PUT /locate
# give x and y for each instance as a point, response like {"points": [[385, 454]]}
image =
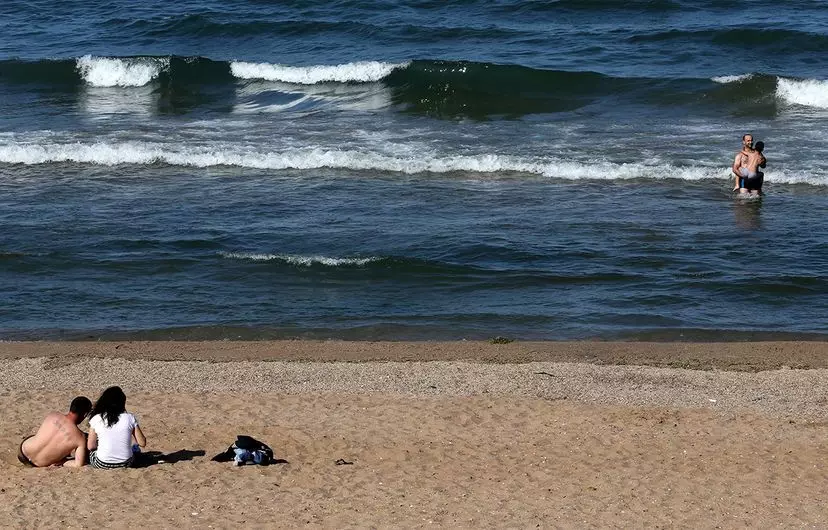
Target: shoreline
{"points": [[728, 356]]}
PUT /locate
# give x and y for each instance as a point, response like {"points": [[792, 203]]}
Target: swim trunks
{"points": [[754, 183], [745, 172], [21, 456]]}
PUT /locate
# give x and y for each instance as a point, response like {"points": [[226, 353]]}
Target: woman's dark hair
{"points": [[110, 405]]}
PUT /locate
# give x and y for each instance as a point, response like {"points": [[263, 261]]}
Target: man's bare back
{"points": [[755, 160], [57, 439]]}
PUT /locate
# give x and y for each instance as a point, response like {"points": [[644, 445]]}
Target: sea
{"points": [[411, 170]]}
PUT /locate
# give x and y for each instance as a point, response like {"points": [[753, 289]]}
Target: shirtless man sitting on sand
{"points": [[57, 438]]}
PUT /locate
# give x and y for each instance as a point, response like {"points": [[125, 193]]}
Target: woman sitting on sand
{"points": [[111, 431]]}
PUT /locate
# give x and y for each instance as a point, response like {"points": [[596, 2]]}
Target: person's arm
{"points": [[80, 456], [92, 441], [139, 436], [737, 163]]}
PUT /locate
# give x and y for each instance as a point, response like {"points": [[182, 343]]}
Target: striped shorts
{"points": [[97, 463]]}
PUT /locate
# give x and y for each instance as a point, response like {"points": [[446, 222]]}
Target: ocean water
{"points": [[375, 169]]}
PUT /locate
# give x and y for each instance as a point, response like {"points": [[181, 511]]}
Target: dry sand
{"points": [[469, 435]]}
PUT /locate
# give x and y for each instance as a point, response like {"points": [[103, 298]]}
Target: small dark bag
{"points": [[248, 443]]}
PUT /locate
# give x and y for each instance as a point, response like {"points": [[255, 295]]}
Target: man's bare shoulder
{"points": [[53, 418], [56, 422], [71, 429]]}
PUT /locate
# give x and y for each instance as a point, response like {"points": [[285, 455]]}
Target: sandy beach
{"points": [[465, 434]]}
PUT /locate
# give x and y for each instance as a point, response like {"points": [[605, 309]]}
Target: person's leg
{"points": [[740, 180]]}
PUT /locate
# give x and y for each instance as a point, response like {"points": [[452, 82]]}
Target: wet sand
{"points": [[741, 356]]}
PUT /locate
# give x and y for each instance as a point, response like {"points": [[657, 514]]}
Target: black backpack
{"points": [[248, 443]]}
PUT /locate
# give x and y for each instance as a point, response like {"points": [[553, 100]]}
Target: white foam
{"points": [[399, 160], [724, 79], [97, 153], [111, 72], [808, 92], [292, 259], [361, 72]]}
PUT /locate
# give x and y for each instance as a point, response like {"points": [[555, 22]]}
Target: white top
{"points": [[114, 442]]}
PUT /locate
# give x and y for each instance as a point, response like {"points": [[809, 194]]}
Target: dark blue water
{"points": [[368, 169]]}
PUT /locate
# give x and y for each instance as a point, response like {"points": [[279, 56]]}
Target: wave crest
{"points": [[808, 92], [126, 72], [754, 86], [359, 72], [725, 79], [299, 260]]}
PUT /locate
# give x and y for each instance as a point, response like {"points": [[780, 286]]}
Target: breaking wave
{"points": [[808, 93], [308, 158], [111, 72], [436, 88], [360, 72]]}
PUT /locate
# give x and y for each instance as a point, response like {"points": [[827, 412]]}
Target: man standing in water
{"points": [[741, 161], [746, 166], [57, 438]]}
